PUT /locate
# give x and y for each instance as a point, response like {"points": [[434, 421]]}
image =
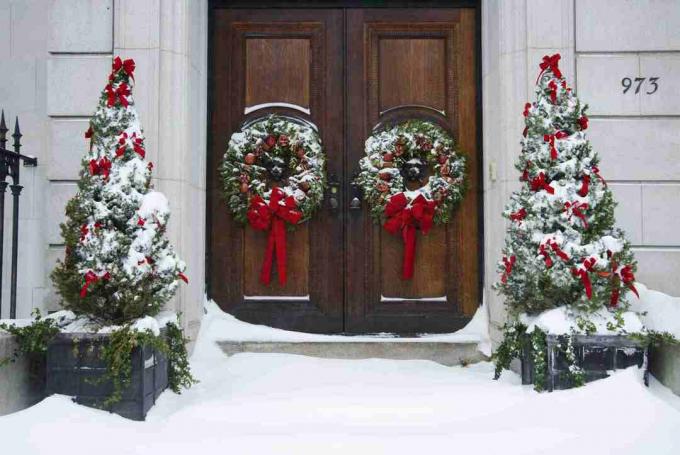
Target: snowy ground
{"points": [[285, 404]]}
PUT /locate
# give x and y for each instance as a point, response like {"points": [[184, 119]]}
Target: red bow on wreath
{"points": [[121, 92], [101, 167], [274, 216], [406, 218]]}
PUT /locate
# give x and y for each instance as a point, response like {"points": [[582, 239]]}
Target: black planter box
{"points": [[75, 368], [595, 354]]}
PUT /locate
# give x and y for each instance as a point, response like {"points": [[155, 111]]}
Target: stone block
{"points": [[637, 148], [660, 208], [30, 26], [58, 195], [629, 210], [615, 25], [550, 23], [67, 148], [666, 99], [137, 24], [599, 83], [658, 269], [81, 26], [74, 84], [21, 384], [5, 31]]}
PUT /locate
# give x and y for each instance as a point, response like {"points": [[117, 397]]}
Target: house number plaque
{"points": [[651, 84]]}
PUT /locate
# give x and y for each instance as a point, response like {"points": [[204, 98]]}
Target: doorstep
{"points": [[447, 353]]}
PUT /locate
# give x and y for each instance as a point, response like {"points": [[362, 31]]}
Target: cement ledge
{"points": [[664, 364], [445, 353], [19, 386]]}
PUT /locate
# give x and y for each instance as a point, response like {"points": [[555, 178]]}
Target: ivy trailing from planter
{"points": [[32, 339], [117, 355]]}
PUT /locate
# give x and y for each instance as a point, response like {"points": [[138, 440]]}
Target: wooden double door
{"points": [[346, 70]]}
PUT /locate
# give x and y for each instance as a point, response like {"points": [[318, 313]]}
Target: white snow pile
{"points": [[562, 320], [228, 328], [658, 311], [68, 322], [285, 404]]}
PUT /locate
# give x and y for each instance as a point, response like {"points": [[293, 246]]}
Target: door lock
{"points": [[333, 192], [355, 203]]}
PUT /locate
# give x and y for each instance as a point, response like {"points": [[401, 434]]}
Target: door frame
{"points": [[347, 4]]}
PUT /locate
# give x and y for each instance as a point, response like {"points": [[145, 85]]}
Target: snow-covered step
{"points": [[444, 352]]}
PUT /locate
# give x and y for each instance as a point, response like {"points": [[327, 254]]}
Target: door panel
{"points": [[267, 61], [412, 64]]}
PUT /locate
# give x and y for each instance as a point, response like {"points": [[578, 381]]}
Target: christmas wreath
{"points": [[273, 176], [411, 153]]}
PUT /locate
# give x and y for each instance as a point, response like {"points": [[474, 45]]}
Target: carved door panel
{"points": [[401, 64], [345, 70], [273, 61]]}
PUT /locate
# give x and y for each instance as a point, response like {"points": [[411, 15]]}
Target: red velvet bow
{"points": [[556, 249], [552, 63], [91, 277], [101, 167], [596, 171], [281, 209], [553, 91], [539, 183], [121, 93], [405, 217], [508, 264], [127, 65], [582, 272], [527, 106], [136, 145], [550, 139], [519, 215], [585, 182], [576, 210], [626, 276], [583, 122]]}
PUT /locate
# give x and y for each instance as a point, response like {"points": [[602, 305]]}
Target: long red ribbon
{"points": [[508, 264], [582, 272], [281, 209], [406, 218]]}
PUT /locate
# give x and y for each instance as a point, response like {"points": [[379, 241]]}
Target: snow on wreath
{"points": [[273, 175], [399, 158]]}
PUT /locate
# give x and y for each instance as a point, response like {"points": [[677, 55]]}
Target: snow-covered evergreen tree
{"points": [[561, 246], [119, 264]]}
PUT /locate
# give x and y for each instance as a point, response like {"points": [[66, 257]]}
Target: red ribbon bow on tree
{"points": [[508, 264], [519, 215], [553, 91], [539, 183], [121, 93], [281, 209], [552, 63], [405, 217], [582, 270], [550, 138], [556, 248], [625, 274], [101, 167], [91, 277], [575, 209], [127, 65]]}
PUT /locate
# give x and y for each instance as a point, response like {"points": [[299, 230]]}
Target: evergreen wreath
{"points": [[273, 175], [402, 153], [281, 150]]}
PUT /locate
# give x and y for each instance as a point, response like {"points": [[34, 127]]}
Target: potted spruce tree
{"points": [[112, 347], [567, 273]]}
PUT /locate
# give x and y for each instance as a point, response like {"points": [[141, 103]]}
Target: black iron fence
{"points": [[10, 164]]}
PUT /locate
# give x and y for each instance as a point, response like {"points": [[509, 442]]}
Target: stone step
{"points": [[445, 353]]}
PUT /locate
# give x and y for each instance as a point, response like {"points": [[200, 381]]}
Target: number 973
{"points": [[628, 83]]}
